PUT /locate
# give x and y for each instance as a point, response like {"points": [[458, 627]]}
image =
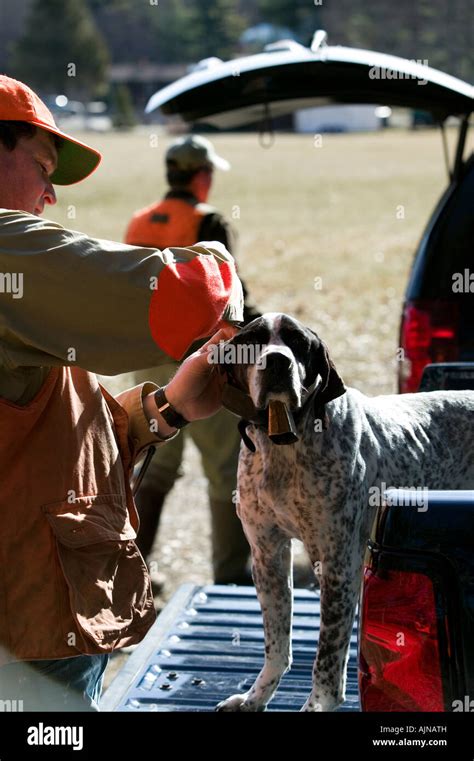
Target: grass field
{"points": [[349, 212]]}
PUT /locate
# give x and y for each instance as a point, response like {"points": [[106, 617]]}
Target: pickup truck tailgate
{"points": [[207, 644]]}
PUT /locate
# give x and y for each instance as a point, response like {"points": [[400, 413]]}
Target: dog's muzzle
{"points": [[276, 419]]}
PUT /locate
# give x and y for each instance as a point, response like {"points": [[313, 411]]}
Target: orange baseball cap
{"points": [[76, 160]]}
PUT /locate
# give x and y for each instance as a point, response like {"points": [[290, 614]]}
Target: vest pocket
{"points": [[107, 580]]}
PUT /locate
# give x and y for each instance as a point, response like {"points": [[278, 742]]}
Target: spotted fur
{"points": [[317, 490]]}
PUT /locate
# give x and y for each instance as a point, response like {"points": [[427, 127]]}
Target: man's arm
{"points": [[104, 306], [215, 227]]}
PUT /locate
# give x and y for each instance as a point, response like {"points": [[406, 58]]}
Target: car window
{"points": [[451, 247]]}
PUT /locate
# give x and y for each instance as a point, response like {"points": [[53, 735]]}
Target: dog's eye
{"points": [[296, 340], [298, 343], [256, 336]]}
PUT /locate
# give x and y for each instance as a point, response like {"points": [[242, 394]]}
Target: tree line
{"points": [[94, 33]]}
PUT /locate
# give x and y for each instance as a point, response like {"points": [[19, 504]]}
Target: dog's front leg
{"points": [[339, 594], [272, 574]]}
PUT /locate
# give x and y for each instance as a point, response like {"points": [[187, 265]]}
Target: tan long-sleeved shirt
{"points": [[68, 299]]}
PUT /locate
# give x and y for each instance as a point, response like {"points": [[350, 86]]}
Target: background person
{"points": [[181, 218]]}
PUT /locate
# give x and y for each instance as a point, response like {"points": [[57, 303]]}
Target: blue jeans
{"points": [[68, 684]]}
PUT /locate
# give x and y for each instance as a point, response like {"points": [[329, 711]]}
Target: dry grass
{"points": [[302, 212]]}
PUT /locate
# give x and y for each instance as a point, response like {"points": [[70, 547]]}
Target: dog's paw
{"points": [[323, 704], [313, 706], [238, 703]]}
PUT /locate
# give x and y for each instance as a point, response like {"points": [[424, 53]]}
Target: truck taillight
{"points": [[399, 663], [428, 334]]}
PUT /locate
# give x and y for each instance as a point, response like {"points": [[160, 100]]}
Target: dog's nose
{"points": [[276, 363]]}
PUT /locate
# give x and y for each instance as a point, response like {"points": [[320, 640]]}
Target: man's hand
{"points": [[196, 389]]}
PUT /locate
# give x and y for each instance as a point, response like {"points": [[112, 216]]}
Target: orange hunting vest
{"points": [[171, 222], [72, 580]]}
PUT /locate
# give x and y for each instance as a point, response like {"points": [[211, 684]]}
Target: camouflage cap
{"points": [[194, 152]]}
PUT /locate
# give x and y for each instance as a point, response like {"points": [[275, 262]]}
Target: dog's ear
{"points": [[332, 384]]}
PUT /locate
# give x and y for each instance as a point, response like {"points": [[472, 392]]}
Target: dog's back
{"points": [[429, 436]]}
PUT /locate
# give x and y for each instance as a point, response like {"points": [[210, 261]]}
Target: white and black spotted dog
{"points": [[317, 489]]}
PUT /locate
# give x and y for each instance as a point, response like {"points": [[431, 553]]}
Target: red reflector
{"points": [[399, 665], [428, 334], [417, 330], [443, 333]]}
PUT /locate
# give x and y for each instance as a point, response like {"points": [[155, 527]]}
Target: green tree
{"points": [[155, 31], [124, 114], [433, 30], [301, 16], [214, 28], [61, 50]]}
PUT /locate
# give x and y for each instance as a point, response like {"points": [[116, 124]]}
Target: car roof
{"points": [[290, 76]]}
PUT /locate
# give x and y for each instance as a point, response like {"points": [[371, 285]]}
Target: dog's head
{"points": [[276, 358]]}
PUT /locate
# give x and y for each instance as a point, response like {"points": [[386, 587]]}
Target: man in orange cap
{"points": [[73, 585]]}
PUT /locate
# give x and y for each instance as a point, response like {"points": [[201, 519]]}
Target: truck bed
{"points": [[208, 644]]}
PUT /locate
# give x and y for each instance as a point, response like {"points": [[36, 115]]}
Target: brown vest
{"points": [[72, 580]]}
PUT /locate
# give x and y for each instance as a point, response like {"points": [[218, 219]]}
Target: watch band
{"points": [[167, 411]]}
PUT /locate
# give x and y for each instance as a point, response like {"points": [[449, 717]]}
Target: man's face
{"points": [[25, 173], [201, 184]]}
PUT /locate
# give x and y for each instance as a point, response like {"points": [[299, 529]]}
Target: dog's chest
{"points": [[285, 484], [280, 474]]}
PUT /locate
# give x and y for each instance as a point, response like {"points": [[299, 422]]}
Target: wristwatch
{"points": [[167, 411]]}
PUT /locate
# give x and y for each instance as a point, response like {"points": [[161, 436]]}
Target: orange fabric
{"points": [[19, 103], [183, 297], [72, 580], [171, 222]]}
